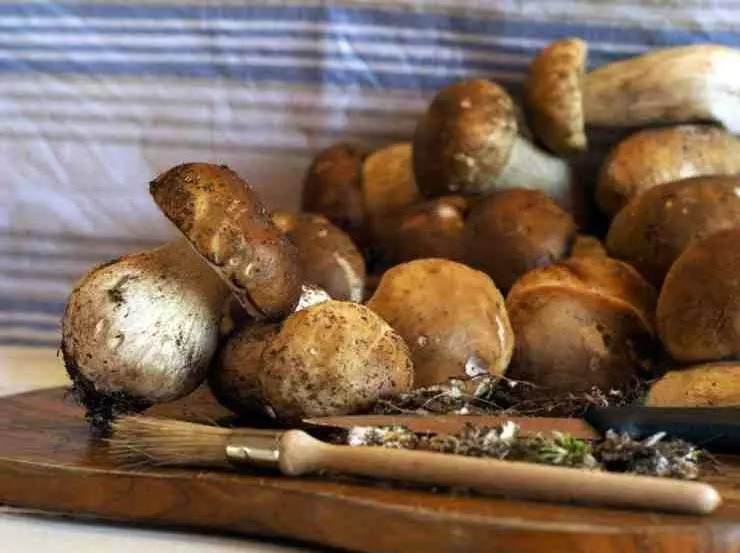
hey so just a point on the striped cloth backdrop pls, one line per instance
(97, 97)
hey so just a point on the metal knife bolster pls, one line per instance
(712, 428)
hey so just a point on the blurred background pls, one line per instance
(98, 97)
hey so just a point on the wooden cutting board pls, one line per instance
(48, 462)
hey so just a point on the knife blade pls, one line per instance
(450, 424)
(716, 429)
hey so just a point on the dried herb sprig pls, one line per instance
(489, 394)
(653, 456)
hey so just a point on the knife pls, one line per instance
(715, 429)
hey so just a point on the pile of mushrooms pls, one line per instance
(458, 253)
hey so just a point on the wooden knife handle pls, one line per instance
(302, 454)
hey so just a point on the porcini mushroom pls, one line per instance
(655, 156)
(328, 257)
(451, 316)
(225, 221)
(434, 228)
(511, 232)
(333, 358)
(332, 188)
(553, 95)
(673, 85)
(657, 225)
(388, 184)
(467, 143)
(584, 322)
(699, 303)
(141, 330)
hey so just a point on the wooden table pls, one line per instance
(23, 530)
(47, 461)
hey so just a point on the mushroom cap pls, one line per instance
(234, 377)
(708, 385)
(513, 231)
(656, 156)
(332, 187)
(227, 224)
(333, 358)
(452, 317)
(464, 139)
(328, 257)
(699, 303)
(653, 229)
(434, 228)
(584, 322)
(553, 95)
(388, 184)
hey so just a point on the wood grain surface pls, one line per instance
(47, 461)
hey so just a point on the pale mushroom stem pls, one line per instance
(530, 167)
(675, 85)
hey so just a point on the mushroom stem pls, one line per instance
(688, 83)
(530, 167)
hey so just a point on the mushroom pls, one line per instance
(327, 256)
(582, 323)
(234, 378)
(434, 228)
(656, 226)
(511, 232)
(699, 304)
(141, 330)
(707, 385)
(467, 143)
(553, 95)
(655, 156)
(225, 221)
(333, 358)
(673, 85)
(388, 184)
(332, 188)
(451, 316)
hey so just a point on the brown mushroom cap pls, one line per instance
(328, 257)
(699, 303)
(464, 139)
(234, 378)
(333, 358)
(388, 184)
(653, 229)
(554, 95)
(513, 231)
(581, 323)
(332, 188)
(707, 385)
(451, 316)
(657, 156)
(431, 229)
(226, 223)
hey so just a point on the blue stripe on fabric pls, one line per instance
(596, 56)
(475, 23)
(53, 307)
(266, 53)
(293, 75)
(29, 342)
